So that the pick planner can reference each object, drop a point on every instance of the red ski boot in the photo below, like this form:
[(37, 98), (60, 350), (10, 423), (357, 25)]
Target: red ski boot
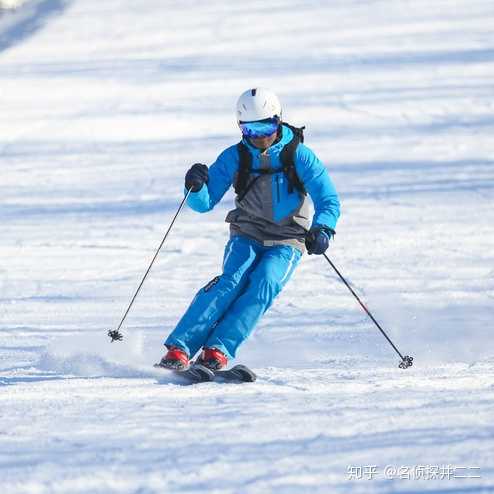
[(213, 359), (175, 359)]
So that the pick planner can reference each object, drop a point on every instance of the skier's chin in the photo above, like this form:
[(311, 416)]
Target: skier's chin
[(263, 142)]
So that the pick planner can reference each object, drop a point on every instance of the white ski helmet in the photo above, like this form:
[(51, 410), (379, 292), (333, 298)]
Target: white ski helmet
[(258, 104)]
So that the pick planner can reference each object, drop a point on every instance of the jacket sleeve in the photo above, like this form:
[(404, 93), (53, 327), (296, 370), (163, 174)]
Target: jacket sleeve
[(319, 186), (221, 174)]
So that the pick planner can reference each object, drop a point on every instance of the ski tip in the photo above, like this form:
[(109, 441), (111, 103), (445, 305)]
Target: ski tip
[(239, 372), (248, 374)]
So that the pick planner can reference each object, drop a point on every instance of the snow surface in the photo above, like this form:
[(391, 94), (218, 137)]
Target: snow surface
[(11, 4), (104, 105)]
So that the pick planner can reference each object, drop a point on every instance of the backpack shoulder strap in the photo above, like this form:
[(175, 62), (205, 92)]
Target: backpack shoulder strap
[(287, 157), (244, 166), (243, 182)]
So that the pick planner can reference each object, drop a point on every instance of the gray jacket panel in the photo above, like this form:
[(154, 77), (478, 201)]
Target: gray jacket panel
[(254, 214)]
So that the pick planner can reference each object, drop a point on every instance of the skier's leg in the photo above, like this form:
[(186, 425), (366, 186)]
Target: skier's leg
[(265, 282), (211, 302)]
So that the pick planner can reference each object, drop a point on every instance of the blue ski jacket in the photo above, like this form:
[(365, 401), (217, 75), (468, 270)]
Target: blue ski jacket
[(272, 212)]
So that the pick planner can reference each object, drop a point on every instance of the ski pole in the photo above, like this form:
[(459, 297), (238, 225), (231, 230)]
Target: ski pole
[(406, 361), (115, 334)]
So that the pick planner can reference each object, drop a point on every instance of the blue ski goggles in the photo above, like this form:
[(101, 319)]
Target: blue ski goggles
[(260, 128)]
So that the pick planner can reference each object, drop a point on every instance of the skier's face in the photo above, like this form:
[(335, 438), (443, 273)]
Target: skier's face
[(263, 142)]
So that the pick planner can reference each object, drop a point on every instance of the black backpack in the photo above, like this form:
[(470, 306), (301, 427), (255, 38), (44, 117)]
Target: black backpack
[(242, 184)]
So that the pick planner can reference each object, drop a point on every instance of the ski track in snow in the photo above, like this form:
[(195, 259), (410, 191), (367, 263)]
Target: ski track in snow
[(104, 106)]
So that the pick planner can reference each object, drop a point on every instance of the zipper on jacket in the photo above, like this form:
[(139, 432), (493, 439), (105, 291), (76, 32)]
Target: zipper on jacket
[(278, 187)]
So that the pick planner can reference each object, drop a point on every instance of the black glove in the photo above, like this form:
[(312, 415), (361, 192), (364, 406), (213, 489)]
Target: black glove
[(196, 177), (317, 240)]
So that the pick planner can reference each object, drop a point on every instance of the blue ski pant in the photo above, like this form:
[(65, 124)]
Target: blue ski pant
[(223, 314)]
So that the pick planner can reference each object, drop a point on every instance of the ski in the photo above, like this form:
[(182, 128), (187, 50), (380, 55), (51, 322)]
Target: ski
[(195, 373), (238, 373)]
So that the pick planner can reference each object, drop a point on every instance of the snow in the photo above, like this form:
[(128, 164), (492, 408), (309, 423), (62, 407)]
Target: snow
[(11, 4), (104, 107)]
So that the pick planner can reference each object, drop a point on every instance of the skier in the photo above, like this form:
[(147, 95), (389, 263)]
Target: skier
[(270, 229)]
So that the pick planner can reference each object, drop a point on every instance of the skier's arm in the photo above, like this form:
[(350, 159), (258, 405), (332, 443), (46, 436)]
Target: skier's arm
[(319, 186), (220, 179)]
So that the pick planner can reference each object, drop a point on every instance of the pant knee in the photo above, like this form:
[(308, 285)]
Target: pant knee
[(266, 290)]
